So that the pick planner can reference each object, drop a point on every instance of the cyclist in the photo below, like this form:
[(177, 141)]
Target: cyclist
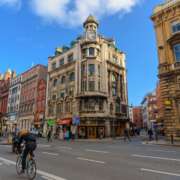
[(30, 145)]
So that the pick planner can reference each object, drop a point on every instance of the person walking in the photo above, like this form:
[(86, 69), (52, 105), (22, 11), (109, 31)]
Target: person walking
[(150, 134), (49, 135), (126, 135)]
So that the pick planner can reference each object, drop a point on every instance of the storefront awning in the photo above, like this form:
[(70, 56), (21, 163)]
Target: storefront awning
[(66, 121)]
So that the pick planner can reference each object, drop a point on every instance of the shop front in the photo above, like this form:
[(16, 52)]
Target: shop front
[(63, 128), (91, 131)]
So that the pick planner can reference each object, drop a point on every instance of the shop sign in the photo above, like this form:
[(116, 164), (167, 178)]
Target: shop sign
[(76, 120), (51, 122)]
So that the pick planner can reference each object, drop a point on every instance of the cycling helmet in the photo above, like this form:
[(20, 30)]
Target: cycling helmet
[(23, 132)]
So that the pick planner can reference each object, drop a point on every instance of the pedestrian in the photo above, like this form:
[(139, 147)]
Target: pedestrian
[(126, 135), (150, 134), (156, 133), (49, 134)]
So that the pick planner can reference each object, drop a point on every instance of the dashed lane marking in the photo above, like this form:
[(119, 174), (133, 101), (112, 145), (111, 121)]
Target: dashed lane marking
[(96, 151), (49, 153), (65, 147), (91, 160), (42, 173), (156, 157), (160, 172)]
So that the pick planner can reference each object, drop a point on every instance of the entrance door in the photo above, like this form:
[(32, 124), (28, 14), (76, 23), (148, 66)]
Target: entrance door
[(91, 132)]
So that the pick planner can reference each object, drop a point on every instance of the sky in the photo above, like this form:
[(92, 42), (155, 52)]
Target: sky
[(30, 31)]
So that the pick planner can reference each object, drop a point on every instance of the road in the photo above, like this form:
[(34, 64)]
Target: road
[(111, 160)]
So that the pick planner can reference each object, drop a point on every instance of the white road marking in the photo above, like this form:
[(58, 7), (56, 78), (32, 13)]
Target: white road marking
[(160, 172), (91, 160), (156, 157), (49, 153), (43, 145), (65, 147), (42, 173), (96, 151), (162, 151)]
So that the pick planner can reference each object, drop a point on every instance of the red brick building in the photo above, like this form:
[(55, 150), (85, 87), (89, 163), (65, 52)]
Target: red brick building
[(33, 95), (4, 92), (137, 117)]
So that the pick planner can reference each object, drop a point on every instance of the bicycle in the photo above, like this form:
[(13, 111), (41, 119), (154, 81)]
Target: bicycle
[(30, 166)]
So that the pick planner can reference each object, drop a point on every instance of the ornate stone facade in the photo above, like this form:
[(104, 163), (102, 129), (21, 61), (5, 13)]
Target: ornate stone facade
[(166, 18), (88, 82)]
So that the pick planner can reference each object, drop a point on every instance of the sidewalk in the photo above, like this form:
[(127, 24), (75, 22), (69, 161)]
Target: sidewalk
[(44, 140), (162, 143), (4, 141)]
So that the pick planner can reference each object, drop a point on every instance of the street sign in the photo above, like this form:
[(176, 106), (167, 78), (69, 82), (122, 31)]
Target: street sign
[(76, 120)]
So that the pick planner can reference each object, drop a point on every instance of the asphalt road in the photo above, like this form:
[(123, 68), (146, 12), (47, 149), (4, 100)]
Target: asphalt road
[(111, 160)]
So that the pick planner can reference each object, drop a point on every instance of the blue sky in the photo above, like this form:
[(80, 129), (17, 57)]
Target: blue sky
[(31, 30)]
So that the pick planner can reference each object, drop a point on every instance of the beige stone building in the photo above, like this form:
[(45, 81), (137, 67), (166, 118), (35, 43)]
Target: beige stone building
[(166, 18), (87, 86)]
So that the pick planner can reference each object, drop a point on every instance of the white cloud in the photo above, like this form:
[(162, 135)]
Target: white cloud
[(74, 12), (16, 3)]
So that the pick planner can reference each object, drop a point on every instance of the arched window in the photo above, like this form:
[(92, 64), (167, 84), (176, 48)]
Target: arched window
[(63, 80), (72, 76)]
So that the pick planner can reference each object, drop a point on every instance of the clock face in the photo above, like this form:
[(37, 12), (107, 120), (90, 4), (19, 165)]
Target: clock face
[(91, 35)]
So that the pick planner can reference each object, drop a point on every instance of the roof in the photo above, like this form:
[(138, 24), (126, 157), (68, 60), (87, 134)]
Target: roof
[(91, 19), (165, 5)]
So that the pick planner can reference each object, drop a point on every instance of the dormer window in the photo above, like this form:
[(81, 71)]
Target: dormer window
[(175, 27)]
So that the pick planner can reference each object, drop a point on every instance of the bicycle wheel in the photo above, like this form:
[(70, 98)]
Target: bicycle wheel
[(31, 169), (19, 165)]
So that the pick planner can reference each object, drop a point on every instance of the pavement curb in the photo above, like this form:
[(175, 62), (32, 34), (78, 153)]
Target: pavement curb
[(162, 144)]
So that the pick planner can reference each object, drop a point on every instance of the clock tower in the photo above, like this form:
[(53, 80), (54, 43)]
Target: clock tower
[(91, 25)]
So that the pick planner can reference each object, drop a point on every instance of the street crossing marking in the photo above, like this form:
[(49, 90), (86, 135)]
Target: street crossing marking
[(156, 157), (91, 160), (160, 172), (97, 151), (49, 153), (42, 173)]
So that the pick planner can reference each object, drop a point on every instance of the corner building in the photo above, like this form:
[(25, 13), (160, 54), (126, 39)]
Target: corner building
[(87, 82), (166, 18)]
